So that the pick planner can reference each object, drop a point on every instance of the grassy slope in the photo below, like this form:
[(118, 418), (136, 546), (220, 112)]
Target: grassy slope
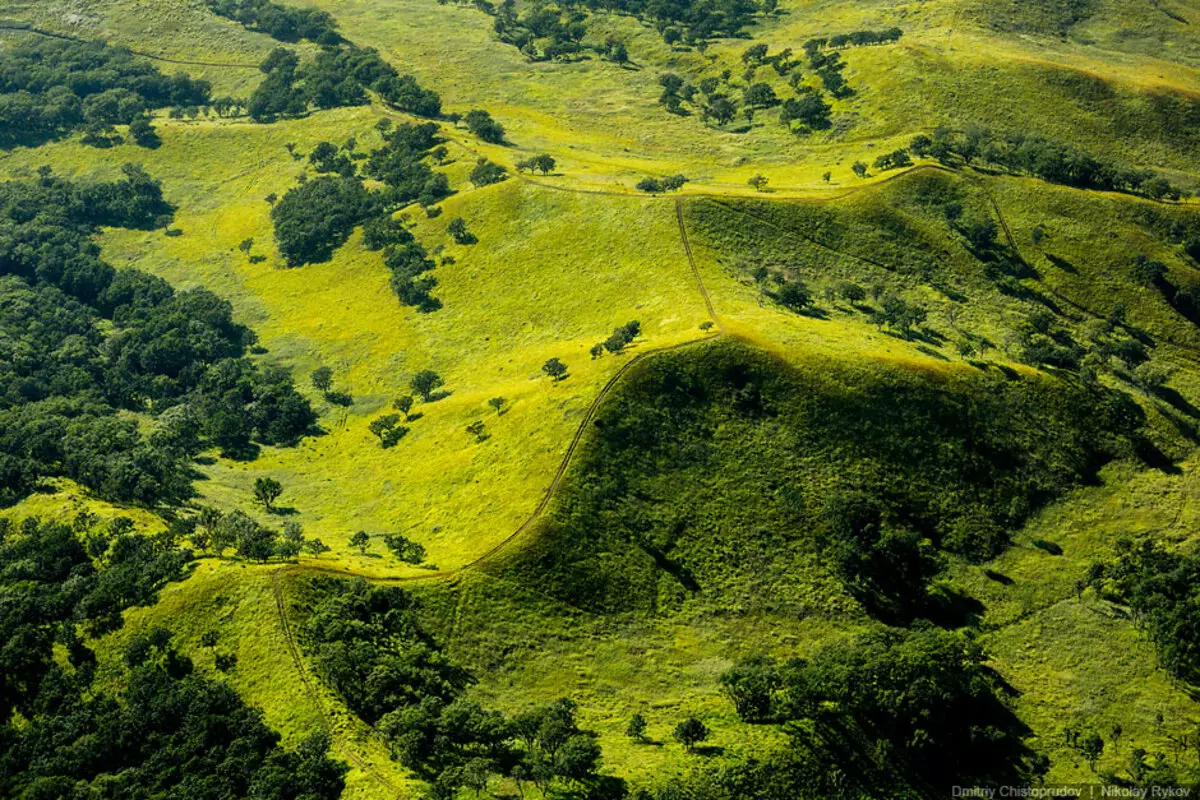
[(538, 285)]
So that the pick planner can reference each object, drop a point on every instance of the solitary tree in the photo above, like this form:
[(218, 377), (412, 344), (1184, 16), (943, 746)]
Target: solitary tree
[(403, 405), (315, 547), (690, 732), (267, 491), (457, 228), (498, 404), (759, 182), (636, 729), (360, 540), (860, 169), (555, 369), (322, 379), (425, 382), (827, 176), (478, 430), (1091, 747)]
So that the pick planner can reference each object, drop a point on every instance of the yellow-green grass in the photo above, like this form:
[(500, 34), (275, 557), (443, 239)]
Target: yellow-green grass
[(238, 601), (553, 273), (1075, 660)]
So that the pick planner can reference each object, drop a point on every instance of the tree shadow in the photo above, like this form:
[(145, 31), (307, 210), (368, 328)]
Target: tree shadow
[(339, 399), (998, 577), (1062, 263), (246, 451), (435, 396), (283, 511), (929, 351), (708, 751)]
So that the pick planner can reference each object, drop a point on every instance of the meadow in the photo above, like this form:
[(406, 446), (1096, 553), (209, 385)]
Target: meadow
[(560, 260)]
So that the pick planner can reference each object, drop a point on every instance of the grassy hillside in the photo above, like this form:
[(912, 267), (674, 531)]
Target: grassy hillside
[(915, 399)]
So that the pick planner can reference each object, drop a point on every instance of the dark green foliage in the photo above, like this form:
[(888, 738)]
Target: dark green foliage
[(1050, 160), (318, 216), (285, 23), (179, 354), (169, 733), (657, 185), (543, 163), (481, 124), (49, 87), (893, 160), (809, 109), (425, 383), (326, 157), (921, 702), (404, 548), (546, 34), (621, 336), (794, 295), (1162, 588), (339, 76), (556, 369), (868, 475), (899, 314), (485, 173), (690, 732)]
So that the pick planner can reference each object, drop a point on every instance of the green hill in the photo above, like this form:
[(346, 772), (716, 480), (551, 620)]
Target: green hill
[(672, 401)]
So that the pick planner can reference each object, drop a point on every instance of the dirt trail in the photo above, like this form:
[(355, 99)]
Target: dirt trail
[(152, 57)]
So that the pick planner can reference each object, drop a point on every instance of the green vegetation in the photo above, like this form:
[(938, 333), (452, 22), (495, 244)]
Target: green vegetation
[(51, 88), (177, 354), (845, 512)]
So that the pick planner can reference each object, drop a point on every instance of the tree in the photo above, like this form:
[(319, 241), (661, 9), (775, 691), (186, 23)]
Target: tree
[(486, 173), (794, 295), (1091, 747), (761, 95), (690, 732), (555, 369), (480, 123), (315, 547), (388, 429), (860, 169), (360, 540), (457, 228), (759, 182), (404, 548), (720, 109), (826, 176), (478, 430), (851, 292), (267, 491), (425, 382), (403, 404), (292, 541), (636, 729), (322, 379), (498, 404)]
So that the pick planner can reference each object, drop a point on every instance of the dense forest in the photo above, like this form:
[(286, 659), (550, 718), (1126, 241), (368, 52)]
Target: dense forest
[(49, 88), (168, 731), (84, 340)]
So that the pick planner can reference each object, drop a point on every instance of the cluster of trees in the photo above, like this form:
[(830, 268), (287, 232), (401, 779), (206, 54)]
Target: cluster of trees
[(715, 96), (542, 33), (315, 218), (898, 314), (338, 76), (285, 23), (1048, 159), (414, 698), (63, 583), (481, 123), (621, 336), (1161, 588), (828, 66), (84, 340), (670, 183), (556, 33), (543, 163), (486, 172), (855, 39), (49, 87), (215, 532), (893, 160), (889, 714)]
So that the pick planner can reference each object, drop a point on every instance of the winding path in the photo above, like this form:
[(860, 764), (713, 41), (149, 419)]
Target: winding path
[(310, 687)]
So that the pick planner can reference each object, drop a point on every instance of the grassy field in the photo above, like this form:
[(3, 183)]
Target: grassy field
[(563, 259)]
